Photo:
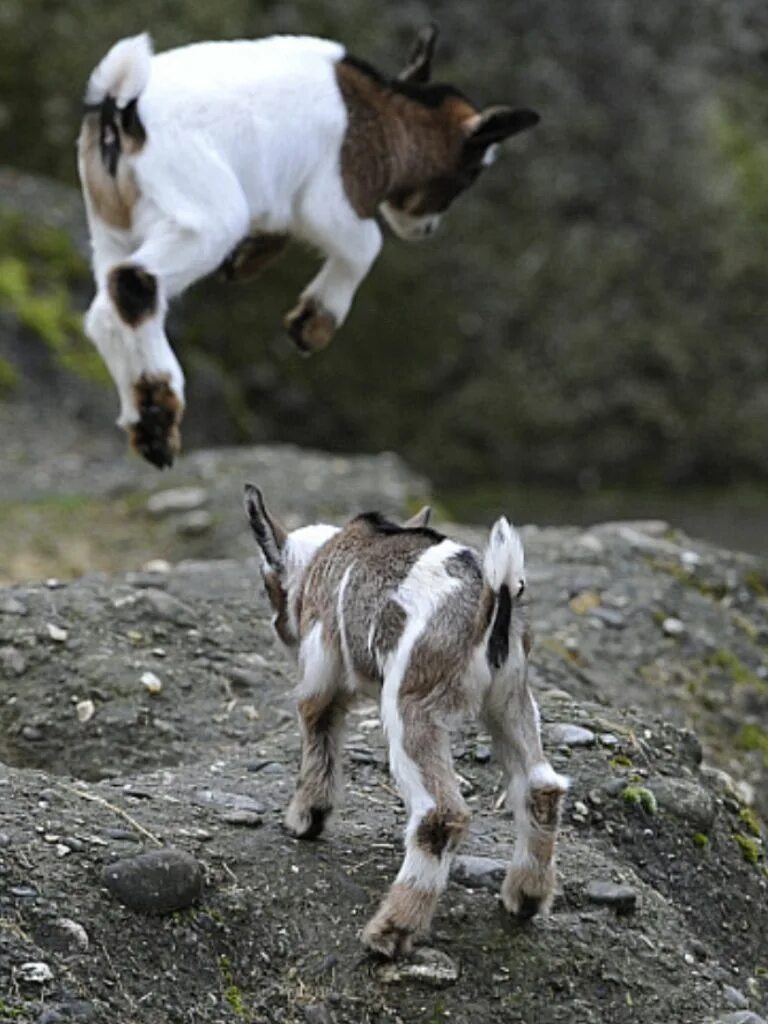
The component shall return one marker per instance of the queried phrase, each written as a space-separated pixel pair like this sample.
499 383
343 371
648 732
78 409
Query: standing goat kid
436 632
215 154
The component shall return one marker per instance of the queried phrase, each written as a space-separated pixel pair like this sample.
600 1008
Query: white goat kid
437 631
214 154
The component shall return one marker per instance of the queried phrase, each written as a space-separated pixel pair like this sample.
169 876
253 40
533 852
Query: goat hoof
310 325
386 938
526 893
305 822
156 435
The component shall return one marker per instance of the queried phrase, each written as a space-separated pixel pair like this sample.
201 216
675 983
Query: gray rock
34 972
12 661
10 605
622 898
74 1009
165 606
685 800
610 616
318 1014
741 1017
176 499
430 966
224 801
158 882
193 524
735 999
566 734
478 872
482 754
242 817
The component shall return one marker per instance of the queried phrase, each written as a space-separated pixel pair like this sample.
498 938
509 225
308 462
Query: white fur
242 137
408 227
504 561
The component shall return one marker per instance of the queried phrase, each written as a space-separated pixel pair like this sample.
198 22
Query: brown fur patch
279 601
545 806
156 436
439 830
251 255
112 198
134 293
394 143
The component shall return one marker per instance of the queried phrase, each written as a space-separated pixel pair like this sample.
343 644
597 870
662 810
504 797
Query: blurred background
585 339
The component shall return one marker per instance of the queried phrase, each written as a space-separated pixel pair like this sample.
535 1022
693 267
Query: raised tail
111 98
504 571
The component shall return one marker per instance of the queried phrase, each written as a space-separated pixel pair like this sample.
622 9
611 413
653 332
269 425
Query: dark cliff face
593 310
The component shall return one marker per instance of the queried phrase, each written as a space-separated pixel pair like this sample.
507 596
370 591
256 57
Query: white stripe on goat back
428 583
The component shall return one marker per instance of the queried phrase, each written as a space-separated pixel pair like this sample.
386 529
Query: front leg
325 302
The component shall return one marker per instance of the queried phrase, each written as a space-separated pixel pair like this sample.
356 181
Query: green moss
9 376
757 582
620 761
753 737
640 796
734 667
750 848
688 578
230 990
748 817
699 839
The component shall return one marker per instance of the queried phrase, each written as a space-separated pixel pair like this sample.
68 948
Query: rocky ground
151 709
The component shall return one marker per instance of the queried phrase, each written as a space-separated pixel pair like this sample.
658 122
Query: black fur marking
317 816
433 835
130 122
498 641
109 135
262 527
381 524
134 292
429 94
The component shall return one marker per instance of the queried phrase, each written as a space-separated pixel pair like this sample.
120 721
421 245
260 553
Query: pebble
741 1017
622 898
430 966
482 754
608 739
317 1014
672 626
158 882
158 565
33 733
74 931
74 1009
242 817
151 683
56 632
85 710
478 872
567 735
165 606
36 972
226 801
176 499
12 661
610 616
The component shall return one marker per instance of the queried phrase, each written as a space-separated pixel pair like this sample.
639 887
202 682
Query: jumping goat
435 631
214 154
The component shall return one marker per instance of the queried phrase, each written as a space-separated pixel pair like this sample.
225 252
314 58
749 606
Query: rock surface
274 936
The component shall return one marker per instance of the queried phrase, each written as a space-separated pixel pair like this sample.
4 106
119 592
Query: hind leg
535 792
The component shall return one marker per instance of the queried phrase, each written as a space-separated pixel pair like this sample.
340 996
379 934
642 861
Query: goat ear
421 518
496 124
419 66
269 533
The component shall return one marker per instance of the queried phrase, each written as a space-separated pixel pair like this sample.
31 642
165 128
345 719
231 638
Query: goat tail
112 94
504 571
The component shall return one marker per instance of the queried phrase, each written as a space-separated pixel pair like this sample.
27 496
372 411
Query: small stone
610 616
164 606
584 602
608 739
568 735
482 754
622 898
735 999
175 500
685 800
32 733
151 683
672 627
226 801
72 1010
741 1017
75 931
12 661
317 1014
85 710
430 966
36 972
581 808
242 817
158 882
193 524
11 606
56 632
478 872
158 565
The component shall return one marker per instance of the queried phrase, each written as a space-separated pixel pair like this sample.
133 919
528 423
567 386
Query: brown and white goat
215 154
435 630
